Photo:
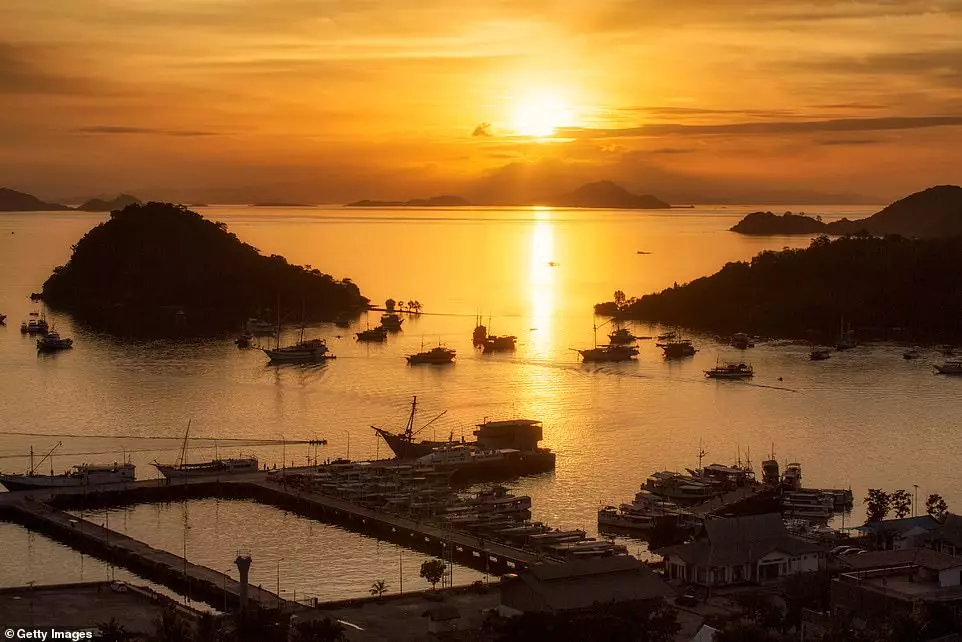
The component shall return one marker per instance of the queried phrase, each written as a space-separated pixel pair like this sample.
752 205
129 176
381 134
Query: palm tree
379 588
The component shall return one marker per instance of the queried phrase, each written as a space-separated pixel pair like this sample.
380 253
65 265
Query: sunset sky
329 100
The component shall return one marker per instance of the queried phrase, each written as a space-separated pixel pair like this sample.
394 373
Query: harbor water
865 418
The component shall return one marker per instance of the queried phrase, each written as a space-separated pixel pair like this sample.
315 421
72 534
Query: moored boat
741 341
952 368
53 342
435 356
245 340
678 348
37 324
609 353
82 475
731 371
391 321
819 354
305 351
259 326
378 333
912 354
496 343
621 336
207 468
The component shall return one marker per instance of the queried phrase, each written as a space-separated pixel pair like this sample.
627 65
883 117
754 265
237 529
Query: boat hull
175 472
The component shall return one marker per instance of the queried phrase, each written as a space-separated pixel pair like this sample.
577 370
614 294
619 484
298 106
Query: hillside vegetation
883 283
162 270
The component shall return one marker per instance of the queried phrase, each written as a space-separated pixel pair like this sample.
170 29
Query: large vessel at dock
207 468
646 512
82 475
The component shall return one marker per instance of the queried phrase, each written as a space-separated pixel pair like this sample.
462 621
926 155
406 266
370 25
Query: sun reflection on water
541 283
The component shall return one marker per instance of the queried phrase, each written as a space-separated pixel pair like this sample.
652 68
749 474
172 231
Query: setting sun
540 115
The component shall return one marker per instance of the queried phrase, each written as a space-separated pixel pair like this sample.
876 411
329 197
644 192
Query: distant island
934 212
892 285
14 201
600 194
161 270
101 205
280 204
445 200
608 195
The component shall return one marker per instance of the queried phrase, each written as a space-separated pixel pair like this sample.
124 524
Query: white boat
82 475
208 468
464 454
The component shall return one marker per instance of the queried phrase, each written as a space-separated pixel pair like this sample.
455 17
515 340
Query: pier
45 509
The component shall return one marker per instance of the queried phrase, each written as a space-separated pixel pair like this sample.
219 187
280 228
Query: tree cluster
879 503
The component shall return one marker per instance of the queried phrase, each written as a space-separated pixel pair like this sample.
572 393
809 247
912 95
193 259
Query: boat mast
33 468
183 448
409 428
701 455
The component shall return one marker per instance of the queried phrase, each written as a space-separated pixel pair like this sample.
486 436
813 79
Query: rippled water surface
865 418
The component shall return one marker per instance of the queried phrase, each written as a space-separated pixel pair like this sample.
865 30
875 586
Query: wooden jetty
44 511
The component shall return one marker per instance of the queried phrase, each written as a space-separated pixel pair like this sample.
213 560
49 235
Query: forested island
891 284
934 212
161 270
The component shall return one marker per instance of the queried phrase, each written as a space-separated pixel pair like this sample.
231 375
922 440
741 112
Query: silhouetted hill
162 270
14 201
768 224
605 194
936 211
101 205
444 200
882 283
280 204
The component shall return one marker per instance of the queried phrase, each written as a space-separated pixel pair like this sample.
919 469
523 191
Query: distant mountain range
608 195
14 201
600 194
101 205
934 212
445 200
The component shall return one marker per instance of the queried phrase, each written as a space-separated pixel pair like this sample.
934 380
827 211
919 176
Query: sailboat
404 445
183 470
304 351
610 352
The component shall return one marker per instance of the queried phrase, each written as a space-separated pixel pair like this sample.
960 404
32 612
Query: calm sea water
865 418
